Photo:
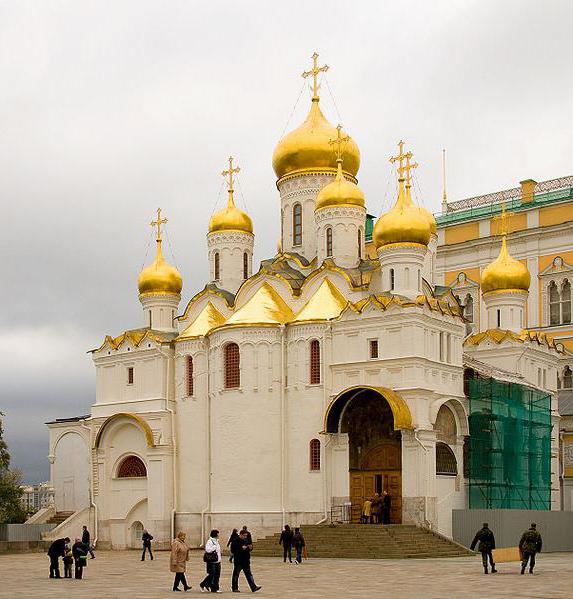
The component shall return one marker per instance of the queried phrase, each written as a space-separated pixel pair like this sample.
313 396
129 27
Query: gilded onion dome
159 277
339 192
505 273
431 220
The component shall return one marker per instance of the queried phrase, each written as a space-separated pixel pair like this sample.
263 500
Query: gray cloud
109 109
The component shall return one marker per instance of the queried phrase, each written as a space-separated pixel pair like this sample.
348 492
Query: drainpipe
283 422
208 506
174 443
426 450
92 502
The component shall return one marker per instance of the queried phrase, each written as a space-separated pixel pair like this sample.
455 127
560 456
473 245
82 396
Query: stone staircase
367 541
59 517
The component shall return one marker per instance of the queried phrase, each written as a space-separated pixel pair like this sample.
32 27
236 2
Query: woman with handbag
212 559
178 561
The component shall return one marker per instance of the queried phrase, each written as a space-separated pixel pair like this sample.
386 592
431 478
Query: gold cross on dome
230 173
157 223
339 141
408 168
400 158
314 72
503 220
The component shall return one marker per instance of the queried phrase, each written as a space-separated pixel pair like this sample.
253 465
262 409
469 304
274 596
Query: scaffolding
509 446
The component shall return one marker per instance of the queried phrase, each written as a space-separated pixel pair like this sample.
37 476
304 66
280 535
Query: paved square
123 574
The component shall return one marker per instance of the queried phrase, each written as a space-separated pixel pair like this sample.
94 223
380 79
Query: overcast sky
109 109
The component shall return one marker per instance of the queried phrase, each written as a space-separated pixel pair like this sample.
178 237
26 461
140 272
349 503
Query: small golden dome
231 218
308 147
404 223
505 273
160 276
339 192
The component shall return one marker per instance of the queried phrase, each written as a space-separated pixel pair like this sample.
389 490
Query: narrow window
314 362
232 366
216 266
130 375
567 378
314 457
245 266
469 308
407 277
189 375
328 242
539 377
373 348
441 346
297 224
566 302
391 279
448 348
150 319
554 304
360 244
498 318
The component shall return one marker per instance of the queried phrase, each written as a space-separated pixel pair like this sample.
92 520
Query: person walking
178 561
212 559
86 537
234 535
286 541
80 555
529 545
366 511
299 544
68 561
486 545
146 539
56 550
386 507
241 549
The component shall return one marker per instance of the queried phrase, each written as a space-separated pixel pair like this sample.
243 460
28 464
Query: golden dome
159 276
308 147
505 273
431 220
339 192
404 223
231 218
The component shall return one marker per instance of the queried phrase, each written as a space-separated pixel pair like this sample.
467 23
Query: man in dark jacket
146 538
241 549
299 544
386 507
57 549
486 545
529 545
286 541
86 541
80 555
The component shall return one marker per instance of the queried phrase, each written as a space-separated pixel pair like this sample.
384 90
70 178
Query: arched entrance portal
372 418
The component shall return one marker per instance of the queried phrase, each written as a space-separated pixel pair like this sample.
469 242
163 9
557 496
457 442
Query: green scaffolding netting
509 446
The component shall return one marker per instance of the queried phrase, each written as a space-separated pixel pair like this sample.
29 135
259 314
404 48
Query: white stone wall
401 268
160 310
231 247
509 307
345 222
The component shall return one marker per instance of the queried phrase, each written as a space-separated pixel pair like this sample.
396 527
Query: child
68 561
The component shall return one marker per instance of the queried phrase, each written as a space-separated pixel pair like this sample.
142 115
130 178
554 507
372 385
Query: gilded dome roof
308 147
339 192
159 276
404 223
505 273
231 218
431 220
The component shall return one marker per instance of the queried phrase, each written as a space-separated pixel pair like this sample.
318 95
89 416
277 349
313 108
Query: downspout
92 502
174 442
426 450
324 406
208 506
283 422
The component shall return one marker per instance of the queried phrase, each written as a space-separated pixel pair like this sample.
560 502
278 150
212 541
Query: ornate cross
339 141
401 157
314 72
157 223
230 173
503 220
409 166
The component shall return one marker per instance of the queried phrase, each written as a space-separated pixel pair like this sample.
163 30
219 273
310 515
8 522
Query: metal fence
556 528
23 532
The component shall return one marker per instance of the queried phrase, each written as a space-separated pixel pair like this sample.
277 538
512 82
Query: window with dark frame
329 242
446 463
314 457
373 348
189 375
360 243
245 266
391 279
132 467
314 362
232 366
130 375
216 273
297 224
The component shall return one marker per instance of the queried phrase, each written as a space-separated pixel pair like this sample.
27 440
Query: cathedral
342 367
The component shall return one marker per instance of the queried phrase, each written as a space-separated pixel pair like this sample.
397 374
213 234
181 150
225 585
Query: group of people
377 509
241 546
290 539
72 555
529 545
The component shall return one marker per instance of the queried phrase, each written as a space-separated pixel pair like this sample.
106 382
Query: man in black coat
57 549
241 549
86 541
80 554
386 507
286 541
485 547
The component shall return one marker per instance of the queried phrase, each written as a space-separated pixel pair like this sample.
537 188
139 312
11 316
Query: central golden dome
160 276
308 147
339 192
505 273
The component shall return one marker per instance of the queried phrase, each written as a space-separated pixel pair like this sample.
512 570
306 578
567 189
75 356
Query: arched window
360 243
407 277
469 308
216 269
445 426
297 224
446 463
554 304
314 362
566 302
245 266
131 467
567 378
189 375
232 366
392 279
314 455
329 242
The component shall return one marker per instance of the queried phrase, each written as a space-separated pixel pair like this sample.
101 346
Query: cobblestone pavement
123 574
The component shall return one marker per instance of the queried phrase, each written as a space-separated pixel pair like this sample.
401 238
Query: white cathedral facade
280 395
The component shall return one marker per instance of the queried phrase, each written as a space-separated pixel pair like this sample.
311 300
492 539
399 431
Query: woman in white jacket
212 560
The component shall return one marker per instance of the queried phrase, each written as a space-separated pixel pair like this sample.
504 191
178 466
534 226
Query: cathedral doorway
372 417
